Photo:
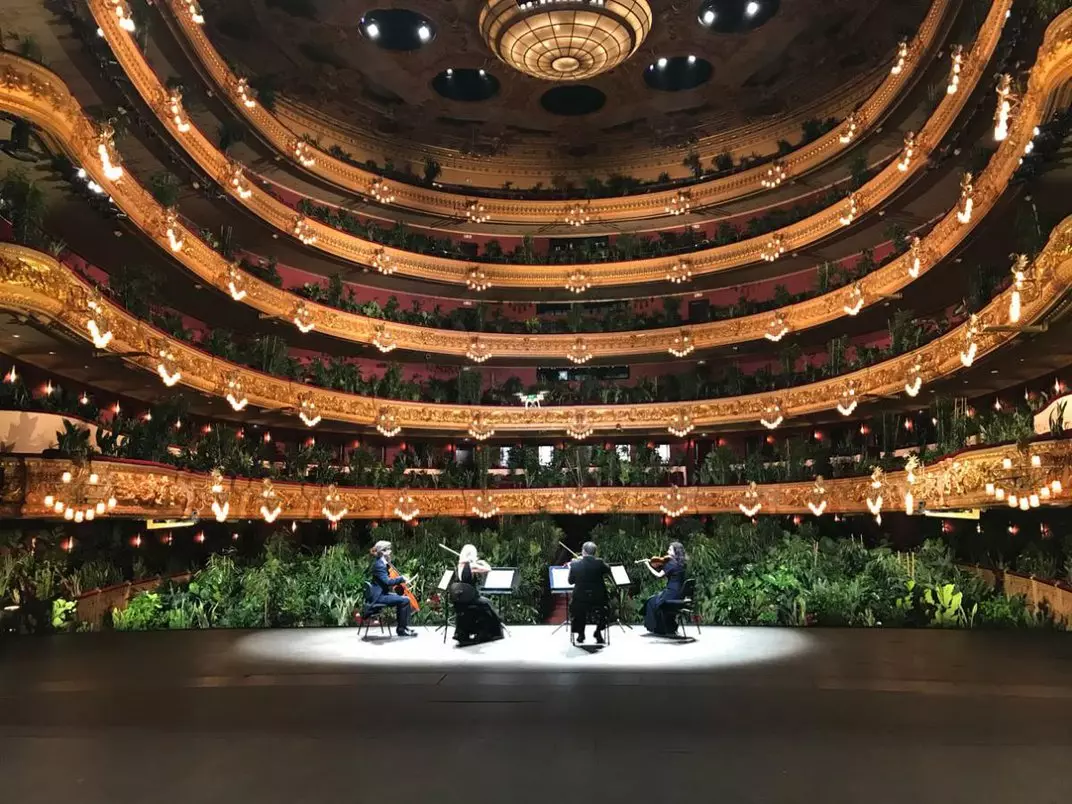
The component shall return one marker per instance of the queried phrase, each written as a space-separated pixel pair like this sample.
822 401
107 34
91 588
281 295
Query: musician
476 620
383 588
660 610
588 574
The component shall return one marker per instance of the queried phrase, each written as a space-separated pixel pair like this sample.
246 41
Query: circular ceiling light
465 84
573 100
736 16
678 73
397 28
564 40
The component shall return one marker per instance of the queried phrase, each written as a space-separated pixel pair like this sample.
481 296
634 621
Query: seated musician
660 611
476 619
588 574
383 588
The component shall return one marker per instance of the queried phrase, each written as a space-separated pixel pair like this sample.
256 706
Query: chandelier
387 424
750 505
851 129
81 496
902 57
679 272
303 152
406 508
476 279
235 397
681 344
221 504
775 174
916 257
303 318
679 203
564 40
333 508
475 212
484 505
772 416
236 283
579 501
174 108
580 427
384 340
680 425
381 191
579 352
1023 483
97 322
774 248
478 351
818 492
578 282
874 503
777 328
308 411
673 503
908 152
577 215
480 429
271 508
382 262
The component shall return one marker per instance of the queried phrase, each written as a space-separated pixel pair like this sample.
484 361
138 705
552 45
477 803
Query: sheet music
499 580
620 576
444 582
560 579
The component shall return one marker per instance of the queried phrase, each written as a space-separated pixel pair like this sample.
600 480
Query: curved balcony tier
154 491
360 251
282 129
149 86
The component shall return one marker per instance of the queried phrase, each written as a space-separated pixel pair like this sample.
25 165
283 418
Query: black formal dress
661 609
475 619
588 576
383 591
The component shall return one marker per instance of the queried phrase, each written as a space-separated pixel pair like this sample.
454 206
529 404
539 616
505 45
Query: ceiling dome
564 40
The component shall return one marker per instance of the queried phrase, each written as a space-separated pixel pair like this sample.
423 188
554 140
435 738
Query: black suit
588 576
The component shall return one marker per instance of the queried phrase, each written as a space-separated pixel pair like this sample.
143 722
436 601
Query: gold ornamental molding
23 92
35 283
357 250
444 203
149 491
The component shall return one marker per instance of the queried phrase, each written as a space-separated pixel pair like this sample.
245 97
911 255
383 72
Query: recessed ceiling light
450 71
373 30
424 33
708 16
752 8
482 72
692 59
661 62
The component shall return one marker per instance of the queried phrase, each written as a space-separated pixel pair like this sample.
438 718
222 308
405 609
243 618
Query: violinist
476 619
660 611
383 587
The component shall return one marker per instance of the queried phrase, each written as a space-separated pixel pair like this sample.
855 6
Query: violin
403 588
657 562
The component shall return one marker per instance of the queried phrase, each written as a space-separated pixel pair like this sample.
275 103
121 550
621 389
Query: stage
739 715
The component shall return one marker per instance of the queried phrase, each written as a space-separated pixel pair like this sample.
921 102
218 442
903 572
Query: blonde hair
467 554
380 547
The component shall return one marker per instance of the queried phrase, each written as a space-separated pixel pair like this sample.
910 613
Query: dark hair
677 549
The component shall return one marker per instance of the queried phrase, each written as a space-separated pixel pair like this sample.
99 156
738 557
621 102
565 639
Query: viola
402 588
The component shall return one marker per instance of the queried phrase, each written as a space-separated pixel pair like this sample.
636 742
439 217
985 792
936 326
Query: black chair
371 611
686 608
599 612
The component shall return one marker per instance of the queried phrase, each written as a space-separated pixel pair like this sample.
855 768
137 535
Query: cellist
383 587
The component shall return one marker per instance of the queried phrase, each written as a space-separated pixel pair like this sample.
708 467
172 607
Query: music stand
501 581
558 578
622 581
444 589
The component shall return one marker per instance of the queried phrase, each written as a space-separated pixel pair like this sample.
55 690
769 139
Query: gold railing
155 491
33 282
439 202
709 261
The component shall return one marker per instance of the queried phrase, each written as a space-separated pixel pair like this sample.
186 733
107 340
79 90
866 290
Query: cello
403 588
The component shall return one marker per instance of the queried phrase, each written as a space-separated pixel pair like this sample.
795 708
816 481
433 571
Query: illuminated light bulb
954 70
990 489
387 424
476 279
777 328
775 175
852 127
303 230
99 508
967 199
1025 503
577 215
333 509
682 344
680 425
679 273
851 211
856 300
1006 463
1044 492
384 340
915 380
1004 107
112 502
773 249
91 514
68 514
1019 276
244 94
848 402
303 152
480 429
968 357
194 10
578 353
1033 500
909 503
999 494
174 107
476 212
235 397
772 417
66 477
1036 461
1056 487
381 191
79 516
907 152
478 352
680 202
167 370
303 319
308 413
915 258
751 504
902 57
578 282
58 507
